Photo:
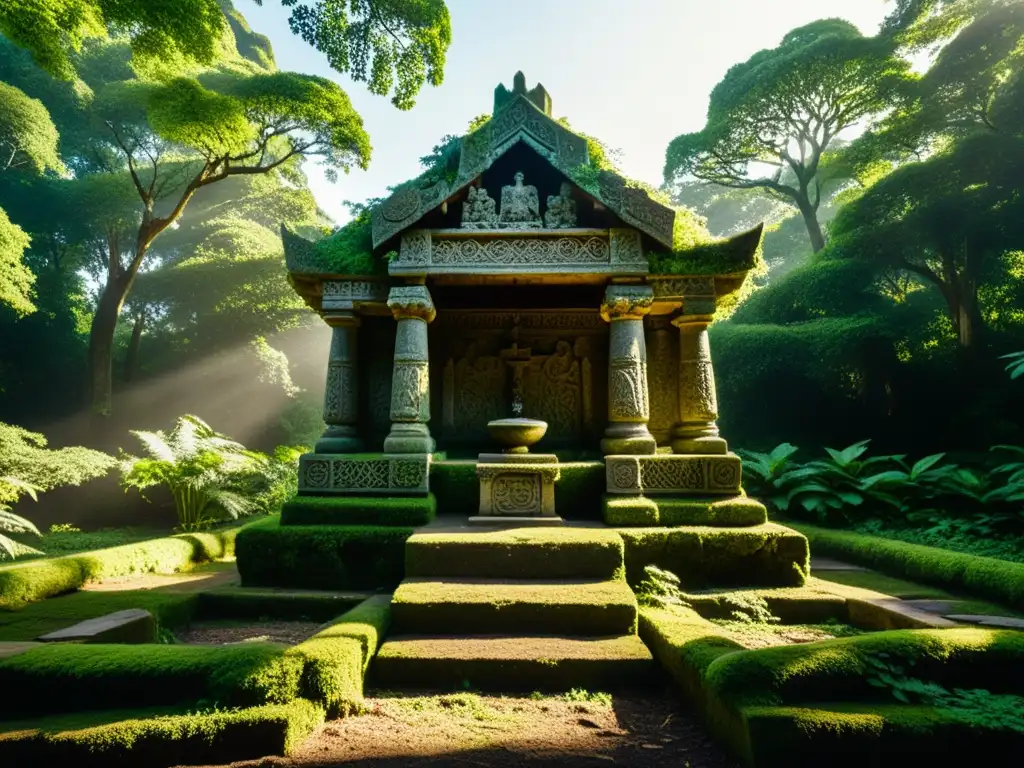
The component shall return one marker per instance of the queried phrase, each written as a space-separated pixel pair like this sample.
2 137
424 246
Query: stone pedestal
628 400
696 432
413 308
517 489
341 397
670 474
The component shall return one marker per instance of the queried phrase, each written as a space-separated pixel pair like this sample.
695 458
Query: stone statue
561 211
520 206
479 210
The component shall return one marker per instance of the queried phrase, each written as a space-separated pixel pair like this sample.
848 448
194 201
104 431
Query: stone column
410 384
628 400
341 397
663 377
698 402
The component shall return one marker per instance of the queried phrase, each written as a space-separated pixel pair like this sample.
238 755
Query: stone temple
518 277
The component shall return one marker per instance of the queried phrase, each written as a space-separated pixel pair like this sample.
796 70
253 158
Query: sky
633 73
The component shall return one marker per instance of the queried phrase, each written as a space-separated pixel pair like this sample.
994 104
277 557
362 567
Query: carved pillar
663 377
698 402
628 401
341 409
410 384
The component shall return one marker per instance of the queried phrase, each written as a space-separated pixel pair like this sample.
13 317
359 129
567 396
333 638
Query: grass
880 582
70 543
1002 547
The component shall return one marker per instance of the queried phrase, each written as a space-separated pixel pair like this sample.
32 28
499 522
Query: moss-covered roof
525 116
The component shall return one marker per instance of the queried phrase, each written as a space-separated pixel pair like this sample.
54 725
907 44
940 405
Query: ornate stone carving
673 475
520 206
513 489
527 320
411 301
478 388
553 391
682 287
698 400
479 211
340 390
635 207
415 250
413 308
663 377
527 252
522 116
365 474
628 401
626 247
346 295
561 209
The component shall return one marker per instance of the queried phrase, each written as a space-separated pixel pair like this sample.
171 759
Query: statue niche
479 211
520 206
561 210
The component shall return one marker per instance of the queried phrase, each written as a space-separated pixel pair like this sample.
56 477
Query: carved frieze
346 295
673 474
527 321
364 474
525 252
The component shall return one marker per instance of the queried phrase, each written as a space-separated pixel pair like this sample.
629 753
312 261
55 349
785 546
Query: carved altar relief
553 391
478 384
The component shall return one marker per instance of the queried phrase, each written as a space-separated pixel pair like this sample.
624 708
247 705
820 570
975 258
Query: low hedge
765 555
154 739
321 556
456 487
629 510
38 579
359 510
70 677
812 704
337 658
998 580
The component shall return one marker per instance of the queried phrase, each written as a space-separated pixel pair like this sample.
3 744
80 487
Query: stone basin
516 435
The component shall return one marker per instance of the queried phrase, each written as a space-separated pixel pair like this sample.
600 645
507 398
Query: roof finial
537 95
519 83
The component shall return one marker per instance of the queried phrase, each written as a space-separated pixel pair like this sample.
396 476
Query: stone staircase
514 610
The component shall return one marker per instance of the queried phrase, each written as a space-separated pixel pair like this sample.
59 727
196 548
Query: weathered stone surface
134 625
628 399
518 489
413 308
520 205
561 209
674 474
7 650
1003 622
892 614
341 396
697 432
369 473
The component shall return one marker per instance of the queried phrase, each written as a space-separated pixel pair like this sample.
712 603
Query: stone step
513 663
521 553
134 625
467 606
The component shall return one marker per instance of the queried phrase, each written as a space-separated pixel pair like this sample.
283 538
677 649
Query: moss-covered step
330 557
275 603
513 663
736 511
470 606
359 510
158 738
766 555
526 553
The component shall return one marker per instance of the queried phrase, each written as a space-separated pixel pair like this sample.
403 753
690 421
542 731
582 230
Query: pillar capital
411 301
626 302
342 319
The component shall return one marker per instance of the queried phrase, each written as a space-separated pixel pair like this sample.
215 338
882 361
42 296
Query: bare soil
226 632
469 730
753 636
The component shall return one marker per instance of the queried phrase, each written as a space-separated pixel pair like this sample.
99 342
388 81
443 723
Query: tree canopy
772 119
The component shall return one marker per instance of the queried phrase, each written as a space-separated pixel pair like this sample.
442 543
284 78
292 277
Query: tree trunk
131 360
810 215
101 344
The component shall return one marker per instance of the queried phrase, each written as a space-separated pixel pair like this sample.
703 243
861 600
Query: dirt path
482 731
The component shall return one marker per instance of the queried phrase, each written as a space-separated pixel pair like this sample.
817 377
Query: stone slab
358 474
517 458
1003 622
7 650
892 614
676 474
828 564
134 625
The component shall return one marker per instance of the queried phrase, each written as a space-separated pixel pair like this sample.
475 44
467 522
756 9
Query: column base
339 439
700 445
409 437
628 440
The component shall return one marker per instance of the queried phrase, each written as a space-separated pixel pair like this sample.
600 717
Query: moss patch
985 577
321 556
65 677
879 582
159 738
734 512
473 606
629 510
763 555
359 510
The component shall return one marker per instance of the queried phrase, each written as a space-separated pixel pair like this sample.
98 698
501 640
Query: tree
945 221
388 44
772 120
15 278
